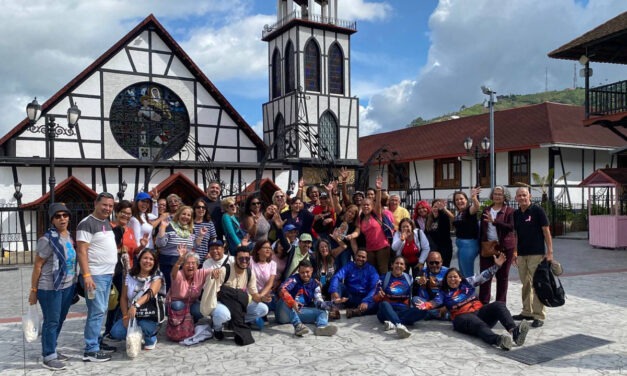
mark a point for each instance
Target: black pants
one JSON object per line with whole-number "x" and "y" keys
{"x": 480, "y": 323}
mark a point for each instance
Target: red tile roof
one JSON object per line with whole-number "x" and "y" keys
{"x": 149, "y": 23}
{"x": 72, "y": 185}
{"x": 606, "y": 177}
{"x": 514, "y": 129}
{"x": 181, "y": 185}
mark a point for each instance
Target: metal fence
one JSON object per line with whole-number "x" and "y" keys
{"x": 20, "y": 228}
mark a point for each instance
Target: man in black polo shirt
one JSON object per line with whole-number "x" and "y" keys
{"x": 212, "y": 200}
{"x": 532, "y": 229}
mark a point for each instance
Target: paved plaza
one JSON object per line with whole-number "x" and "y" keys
{"x": 595, "y": 281}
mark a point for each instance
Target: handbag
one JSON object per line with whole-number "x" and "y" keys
{"x": 490, "y": 248}
{"x": 114, "y": 298}
{"x": 153, "y": 309}
{"x": 180, "y": 324}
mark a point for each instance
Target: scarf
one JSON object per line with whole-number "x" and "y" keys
{"x": 58, "y": 260}
{"x": 181, "y": 232}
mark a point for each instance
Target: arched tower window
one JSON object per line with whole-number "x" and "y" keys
{"x": 336, "y": 69}
{"x": 312, "y": 66}
{"x": 276, "y": 74}
{"x": 327, "y": 136}
{"x": 290, "y": 75}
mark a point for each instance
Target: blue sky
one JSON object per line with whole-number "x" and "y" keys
{"x": 410, "y": 58}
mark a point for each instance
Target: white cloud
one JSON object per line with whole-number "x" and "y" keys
{"x": 360, "y": 10}
{"x": 500, "y": 43}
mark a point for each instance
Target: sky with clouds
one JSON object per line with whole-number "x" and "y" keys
{"x": 410, "y": 58}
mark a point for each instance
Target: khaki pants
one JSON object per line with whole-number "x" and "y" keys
{"x": 380, "y": 259}
{"x": 531, "y": 306}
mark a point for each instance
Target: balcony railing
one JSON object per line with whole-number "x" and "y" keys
{"x": 608, "y": 99}
{"x": 296, "y": 14}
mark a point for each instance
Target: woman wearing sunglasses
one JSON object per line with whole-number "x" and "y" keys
{"x": 52, "y": 282}
{"x": 230, "y": 225}
{"x": 202, "y": 220}
{"x": 253, "y": 220}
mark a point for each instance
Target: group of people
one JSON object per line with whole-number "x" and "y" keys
{"x": 302, "y": 258}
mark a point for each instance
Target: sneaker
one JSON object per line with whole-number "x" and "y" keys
{"x": 401, "y": 331}
{"x": 110, "y": 339}
{"x": 218, "y": 334}
{"x": 334, "y": 314}
{"x": 326, "y": 331}
{"x": 537, "y": 323}
{"x": 522, "y": 317}
{"x": 151, "y": 347}
{"x": 96, "y": 356}
{"x": 54, "y": 364}
{"x": 388, "y": 325}
{"x": 62, "y": 357}
{"x": 353, "y": 312}
{"x": 259, "y": 323}
{"x": 300, "y": 330}
{"x": 520, "y": 333}
{"x": 504, "y": 341}
{"x": 107, "y": 349}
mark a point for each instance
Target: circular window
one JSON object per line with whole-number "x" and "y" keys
{"x": 149, "y": 121}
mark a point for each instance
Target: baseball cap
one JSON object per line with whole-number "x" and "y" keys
{"x": 324, "y": 195}
{"x": 55, "y": 208}
{"x": 305, "y": 238}
{"x": 141, "y": 196}
{"x": 289, "y": 227}
{"x": 215, "y": 242}
{"x": 359, "y": 193}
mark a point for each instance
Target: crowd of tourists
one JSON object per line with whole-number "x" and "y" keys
{"x": 223, "y": 266}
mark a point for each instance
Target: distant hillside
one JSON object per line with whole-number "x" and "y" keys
{"x": 568, "y": 96}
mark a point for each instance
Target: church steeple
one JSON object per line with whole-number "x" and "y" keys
{"x": 311, "y": 114}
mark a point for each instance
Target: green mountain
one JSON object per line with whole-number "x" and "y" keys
{"x": 568, "y": 96}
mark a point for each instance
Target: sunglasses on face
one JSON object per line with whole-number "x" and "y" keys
{"x": 62, "y": 215}
{"x": 232, "y": 206}
{"x": 243, "y": 259}
{"x": 201, "y": 207}
{"x": 255, "y": 203}
{"x": 434, "y": 262}
{"x": 279, "y": 196}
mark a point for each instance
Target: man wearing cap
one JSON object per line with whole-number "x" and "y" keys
{"x": 297, "y": 254}
{"x": 52, "y": 282}
{"x": 217, "y": 258}
{"x": 97, "y": 255}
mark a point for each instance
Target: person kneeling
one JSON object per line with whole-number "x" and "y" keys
{"x": 470, "y": 316}
{"x": 301, "y": 302}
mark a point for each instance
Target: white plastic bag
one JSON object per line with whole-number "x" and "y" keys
{"x": 133, "y": 339}
{"x": 31, "y": 324}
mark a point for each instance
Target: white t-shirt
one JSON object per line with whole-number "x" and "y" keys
{"x": 102, "y": 253}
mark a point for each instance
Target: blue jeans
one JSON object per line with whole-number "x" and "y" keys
{"x": 149, "y": 329}
{"x": 400, "y": 314}
{"x": 194, "y": 309}
{"x": 467, "y": 252}
{"x": 308, "y": 315}
{"x": 221, "y": 314}
{"x": 96, "y": 309}
{"x": 54, "y": 305}
{"x": 166, "y": 263}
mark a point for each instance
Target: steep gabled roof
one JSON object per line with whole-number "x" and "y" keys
{"x": 604, "y": 44}
{"x": 181, "y": 185}
{"x": 149, "y": 23}
{"x": 71, "y": 185}
{"x": 519, "y": 128}
{"x": 606, "y": 177}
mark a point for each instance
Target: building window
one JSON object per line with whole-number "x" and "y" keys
{"x": 286, "y": 139}
{"x": 447, "y": 173}
{"x": 398, "y": 176}
{"x": 327, "y": 136}
{"x": 519, "y": 167}
{"x": 276, "y": 74}
{"x": 149, "y": 121}
{"x": 312, "y": 66}
{"x": 336, "y": 69}
{"x": 290, "y": 75}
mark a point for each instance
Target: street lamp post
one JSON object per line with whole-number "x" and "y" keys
{"x": 477, "y": 153}
{"x": 487, "y": 91}
{"x": 123, "y": 187}
{"x": 51, "y": 130}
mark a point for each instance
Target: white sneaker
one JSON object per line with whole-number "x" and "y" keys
{"x": 401, "y": 331}
{"x": 388, "y": 325}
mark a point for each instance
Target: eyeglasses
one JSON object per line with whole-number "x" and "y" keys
{"x": 125, "y": 214}
{"x": 232, "y": 206}
{"x": 201, "y": 207}
{"x": 279, "y": 196}
{"x": 62, "y": 215}
{"x": 243, "y": 259}
{"x": 434, "y": 262}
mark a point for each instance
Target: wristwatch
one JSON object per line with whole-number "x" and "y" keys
{"x": 136, "y": 305}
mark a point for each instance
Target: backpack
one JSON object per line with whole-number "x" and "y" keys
{"x": 547, "y": 287}
{"x": 227, "y": 266}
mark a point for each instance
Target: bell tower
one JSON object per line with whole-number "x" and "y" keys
{"x": 311, "y": 117}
